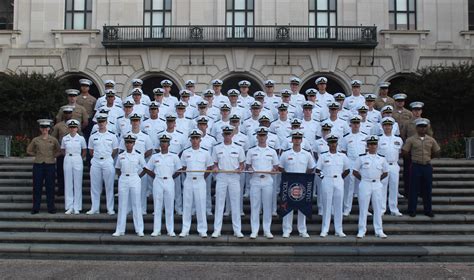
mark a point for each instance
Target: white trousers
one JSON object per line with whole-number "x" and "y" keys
{"x": 178, "y": 194}
{"x": 331, "y": 197}
{"x": 261, "y": 195}
{"x": 209, "y": 194}
{"x": 194, "y": 190}
{"x": 102, "y": 171}
{"x": 370, "y": 192}
{"x": 351, "y": 186}
{"x": 129, "y": 190}
{"x": 163, "y": 195}
{"x": 224, "y": 183}
{"x": 391, "y": 183}
{"x": 242, "y": 189}
{"x": 145, "y": 190}
{"x": 288, "y": 223}
{"x": 73, "y": 167}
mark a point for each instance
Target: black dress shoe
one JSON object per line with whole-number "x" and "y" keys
{"x": 34, "y": 212}
{"x": 412, "y": 214}
{"x": 430, "y": 214}
{"x": 52, "y": 211}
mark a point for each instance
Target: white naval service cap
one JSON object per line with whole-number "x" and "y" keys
{"x": 85, "y": 82}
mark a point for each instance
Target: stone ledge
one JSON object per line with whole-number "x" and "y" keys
{"x": 404, "y": 32}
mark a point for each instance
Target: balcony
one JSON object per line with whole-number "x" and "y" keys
{"x": 271, "y": 36}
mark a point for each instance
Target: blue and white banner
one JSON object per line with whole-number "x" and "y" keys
{"x": 296, "y": 192}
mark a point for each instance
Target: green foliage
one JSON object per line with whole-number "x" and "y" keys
{"x": 19, "y": 145}
{"x": 448, "y": 94}
{"x": 454, "y": 146}
{"x": 26, "y": 97}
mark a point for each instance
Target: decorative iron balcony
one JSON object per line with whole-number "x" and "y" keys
{"x": 270, "y": 36}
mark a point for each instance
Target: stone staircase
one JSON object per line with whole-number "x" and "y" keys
{"x": 449, "y": 235}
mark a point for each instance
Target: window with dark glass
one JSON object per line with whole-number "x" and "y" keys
{"x": 402, "y": 14}
{"x": 471, "y": 14}
{"x": 239, "y": 18}
{"x": 78, "y": 14}
{"x": 157, "y": 16}
{"x": 323, "y": 16}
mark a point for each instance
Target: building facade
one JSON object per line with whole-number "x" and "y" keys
{"x": 369, "y": 40}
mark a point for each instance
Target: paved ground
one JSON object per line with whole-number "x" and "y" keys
{"x": 38, "y": 269}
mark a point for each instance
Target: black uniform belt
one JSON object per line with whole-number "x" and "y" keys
{"x": 335, "y": 176}
{"x": 391, "y": 163}
{"x": 102, "y": 158}
{"x": 195, "y": 178}
{"x": 127, "y": 174}
{"x": 73, "y": 155}
{"x": 164, "y": 178}
{"x": 262, "y": 176}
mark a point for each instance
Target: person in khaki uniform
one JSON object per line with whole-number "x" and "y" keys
{"x": 401, "y": 114}
{"x": 79, "y": 113}
{"x": 383, "y": 99}
{"x": 408, "y": 130}
{"x": 86, "y": 100}
{"x": 421, "y": 148}
{"x": 45, "y": 148}
{"x": 60, "y": 130}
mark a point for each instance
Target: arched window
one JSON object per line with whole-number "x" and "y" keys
{"x": 72, "y": 81}
{"x": 233, "y": 82}
{"x": 333, "y": 85}
{"x": 154, "y": 81}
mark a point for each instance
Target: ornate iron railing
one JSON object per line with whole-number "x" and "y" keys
{"x": 248, "y": 36}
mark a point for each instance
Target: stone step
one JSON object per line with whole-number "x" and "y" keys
{"x": 228, "y": 240}
{"x": 313, "y": 228}
{"x": 104, "y": 218}
{"x": 86, "y": 198}
{"x": 238, "y": 253}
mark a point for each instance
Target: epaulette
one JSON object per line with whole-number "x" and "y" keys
{"x": 289, "y": 104}
{"x": 111, "y": 122}
{"x": 118, "y": 106}
{"x": 380, "y": 155}
{"x": 363, "y": 132}
{"x": 248, "y": 118}
{"x": 112, "y": 132}
{"x": 253, "y": 147}
{"x": 218, "y": 143}
{"x": 120, "y": 117}
{"x": 188, "y": 118}
{"x": 324, "y": 152}
{"x": 172, "y": 152}
{"x": 160, "y": 131}
{"x": 137, "y": 152}
{"x": 306, "y": 150}
{"x": 346, "y": 134}
{"x": 380, "y": 135}
{"x": 163, "y": 119}
{"x": 211, "y": 136}
{"x": 318, "y": 137}
{"x": 204, "y": 149}
{"x": 94, "y": 132}
{"x": 316, "y": 104}
{"x": 241, "y": 106}
{"x": 164, "y": 104}
{"x": 144, "y": 132}
{"x": 187, "y": 148}
{"x": 398, "y": 135}
{"x": 286, "y": 150}
{"x": 145, "y": 119}
{"x": 324, "y": 119}
{"x": 237, "y": 144}
{"x": 271, "y": 132}
{"x": 143, "y": 103}
{"x": 179, "y": 131}
{"x": 315, "y": 120}
{"x": 362, "y": 154}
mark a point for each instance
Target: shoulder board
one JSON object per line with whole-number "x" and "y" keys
{"x": 324, "y": 119}
{"x": 369, "y": 121}
{"x": 317, "y": 105}
{"x": 160, "y": 131}
{"x": 273, "y": 121}
{"x": 237, "y": 144}
{"x": 66, "y": 135}
{"x": 120, "y": 117}
{"x": 397, "y": 135}
{"x": 211, "y": 136}
{"x": 191, "y": 105}
{"x": 144, "y": 132}
{"x": 240, "y": 106}
{"x": 255, "y": 133}
{"x": 143, "y": 103}
{"x": 380, "y": 135}
{"x": 253, "y": 147}
{"x": 315, "y": 120}
{"x": 204, "y": 149}
{"x": 324, "y": 152}
{"x": 164, "y": 104}
{"x": 118, "y": 106}
{"x": 271, "y": 132}
{"x": 112, "y": 132}
{"x": 179, "y": 131}
{"x": 218, "y": 143}
{"x": 187, "y": 148}
{"x": 172, "y": 152}
{"x": 210, "y": 117}
{"x": 362, "y": 154}
{"x": 248, "y": 118}
{"x": 380, "y": 155}
{"x": 318, "y": 137}
{"x": 346, "y": 134}
{"x": 268, "y": 108}
{"x": 95, "y": 132}
{"x": 111, "y": 122}
{"x": 145, "y": 119}
{"x": 307, "y": 150}
{"x": 286, "y": 150}
{"x": 345, "y": 108}
{"x": 137, "y": 152}
{"x": 161, "y": 119}
{"x": 291, "y": 105}
{"x": 188, "y": 118}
